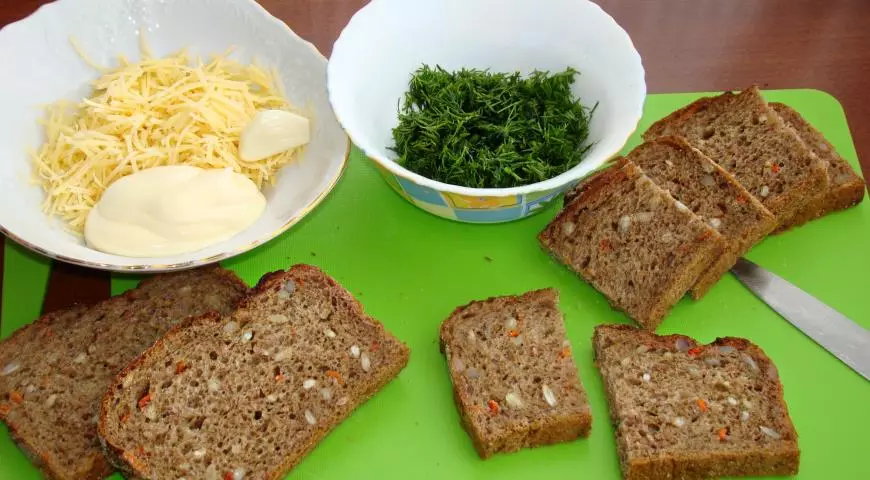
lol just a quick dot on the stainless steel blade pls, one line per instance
(844, 338)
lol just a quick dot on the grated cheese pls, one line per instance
(175, 110)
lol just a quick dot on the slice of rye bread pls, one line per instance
(845, 186)
(633, 242)
(687, 411)
(743, 135)
(250, 394)
(712, 194)
(56, 370)
(514, 379)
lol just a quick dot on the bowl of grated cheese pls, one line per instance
(143, 135)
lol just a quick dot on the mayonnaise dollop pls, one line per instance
(170, 210)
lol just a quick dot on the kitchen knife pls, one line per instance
(844, 338)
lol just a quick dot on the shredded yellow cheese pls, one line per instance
(169, 111)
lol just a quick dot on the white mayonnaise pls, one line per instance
(170, 210)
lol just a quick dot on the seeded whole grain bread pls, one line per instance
(632, 241)
(250, 394)
(744, 135)
(712, 194)
(54, 372)
(845, 186)
(687, 411)
(514, 379)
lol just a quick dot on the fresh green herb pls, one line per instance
(490, 130)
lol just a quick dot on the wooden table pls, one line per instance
(686, 45)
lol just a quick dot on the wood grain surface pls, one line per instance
(686, 45)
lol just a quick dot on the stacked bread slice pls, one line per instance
(232, 383)
(710, 193)
(733, 162)
(248, 395)
(54, 372)
(633, 241)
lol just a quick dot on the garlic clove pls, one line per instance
(271, 132)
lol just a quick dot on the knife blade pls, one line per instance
(839, 335)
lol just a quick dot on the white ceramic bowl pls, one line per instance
(40, 67)
(387, 40)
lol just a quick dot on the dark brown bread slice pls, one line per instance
(743, 135)
(633, 242)
(712, 194)
(845, 186)
(54, 372)
(250, 394)
(514, 379)
(687, 411)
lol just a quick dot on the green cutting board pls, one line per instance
(410, 269)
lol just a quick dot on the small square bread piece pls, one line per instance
(687, 411)
(633, 242)
(845, 186)
(514, 379)
(54, 372)
(250, 394)
(712, 194)
(749, 140)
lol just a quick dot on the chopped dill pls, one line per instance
(490, 130)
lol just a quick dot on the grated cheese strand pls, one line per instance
(175, 110)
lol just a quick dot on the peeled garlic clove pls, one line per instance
(271, 132)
